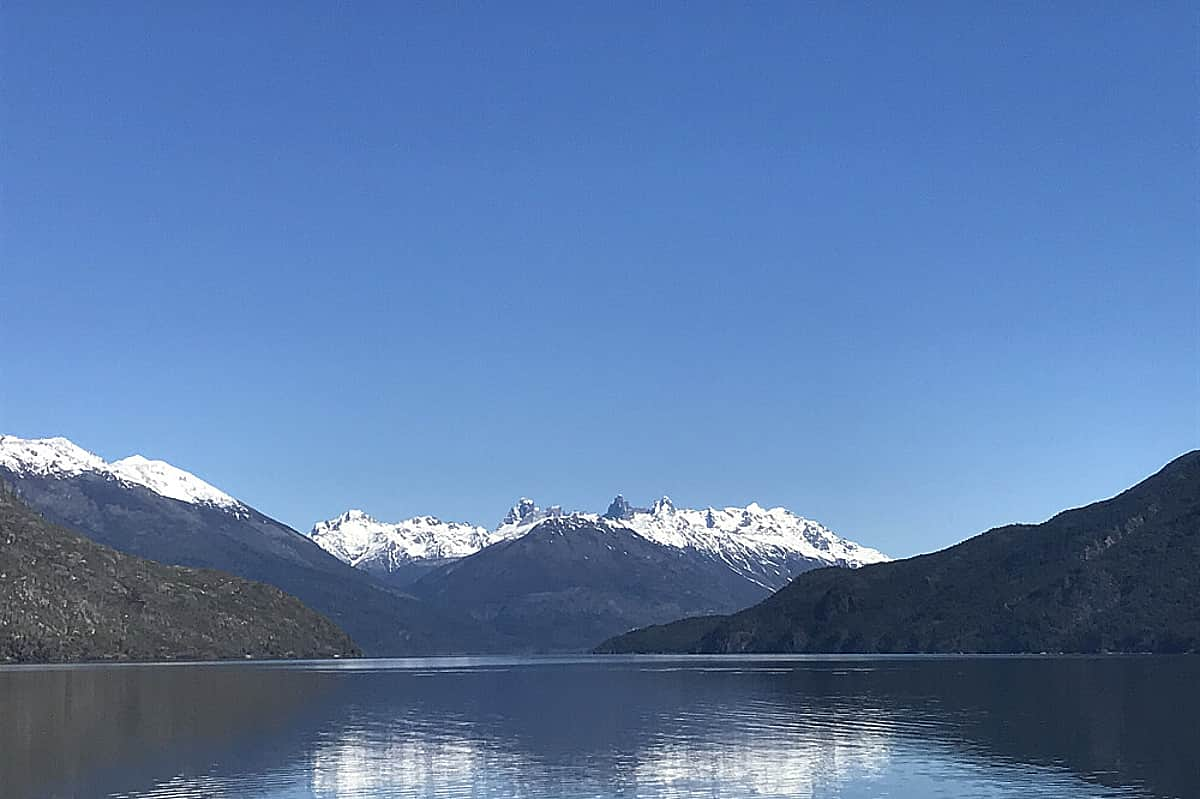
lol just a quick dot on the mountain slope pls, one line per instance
(1122, 574)
(194, 524)
(572, 581)
(64, 598)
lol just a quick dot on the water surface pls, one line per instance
(559, 728)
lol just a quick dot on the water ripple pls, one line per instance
(572, 728)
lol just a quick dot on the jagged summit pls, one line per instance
(522, 517)
(361, 540)
(524, 509)
(766, 546)
(60, 457)
(619, 508)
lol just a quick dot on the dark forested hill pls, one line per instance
(1117, 575)
(63, 597)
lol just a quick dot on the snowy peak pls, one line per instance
(750, 533)
(58, 457)
(360, 540)
(167, 480)
(524, 510)
(47, 457)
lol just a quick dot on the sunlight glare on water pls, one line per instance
(561, 728)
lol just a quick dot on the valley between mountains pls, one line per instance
(541, 580)
(1117, 575)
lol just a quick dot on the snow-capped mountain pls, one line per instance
(542, 580)
(59, 457)
(557, 581)
(157, 511)
(766, 546)
(407, 549)
(47, 457)
(422, 541)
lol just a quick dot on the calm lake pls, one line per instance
(607, 727)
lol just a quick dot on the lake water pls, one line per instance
(607, 727)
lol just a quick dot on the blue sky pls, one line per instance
(912, 272)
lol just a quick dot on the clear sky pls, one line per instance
(912, 270)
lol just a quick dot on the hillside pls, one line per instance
(65, 598)
(1117, 575)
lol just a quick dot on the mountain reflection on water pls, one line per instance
(607, 727)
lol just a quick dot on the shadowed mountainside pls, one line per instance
(65, 598)
(1117, 575)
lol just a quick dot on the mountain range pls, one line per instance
(156, 511)
(547, 580)
(765, 547)
(543, 580)
(1118, 575)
